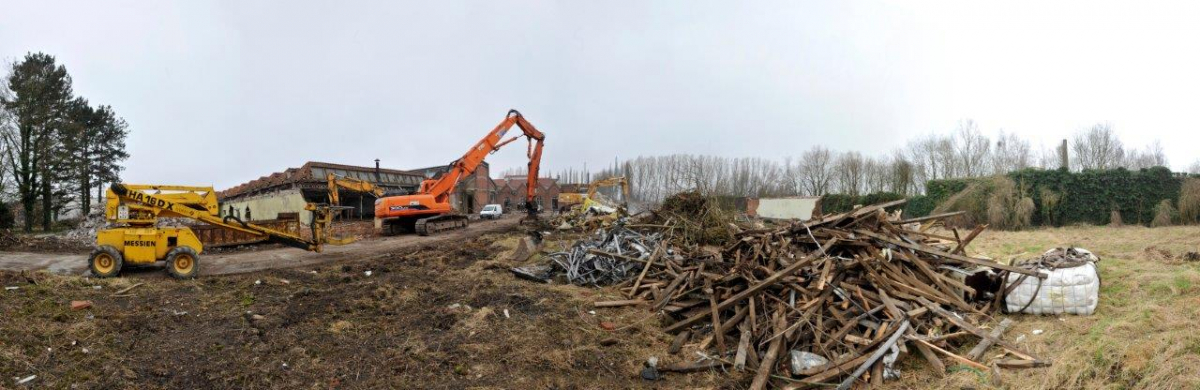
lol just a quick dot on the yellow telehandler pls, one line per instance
(136, 238)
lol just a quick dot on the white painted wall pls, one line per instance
(787, 208)
(268, 206)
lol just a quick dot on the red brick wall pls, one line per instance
(513, 192)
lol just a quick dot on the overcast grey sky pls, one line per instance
(224, 92)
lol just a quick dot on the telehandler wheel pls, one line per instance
(182, 263)
(105, 261)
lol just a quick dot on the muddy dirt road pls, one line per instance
(257, 260)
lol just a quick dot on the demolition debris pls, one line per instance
(608, 257)
(834, 300)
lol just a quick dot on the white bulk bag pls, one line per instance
(1074, 290)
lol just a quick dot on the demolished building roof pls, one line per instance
(314, 172)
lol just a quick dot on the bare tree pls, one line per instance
(1097, 148)
(1048, 158)
(971, 149)
(965, 153)
(1194, 168)
(923, 153)
(947, 159)
(901, 175)
(848, 171)
(1152, 156)
(876, 174)
(816, 167)
(1010, 154)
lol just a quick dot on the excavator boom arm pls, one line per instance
(351, 184)
(465, 165)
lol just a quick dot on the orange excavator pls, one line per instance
(428, 210)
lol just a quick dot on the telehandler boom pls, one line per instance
(137, 238)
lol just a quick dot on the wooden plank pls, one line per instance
(985, 343)
(1015, 363)
(929, 217)
(739, 359)
(967, 326)
(677, 344)
(770, 280)
(962, 244)
(960, 359)
(667, 293)
(960, 258)
(716, 317)
(879, 352)
(692, 367)
(933, 360)
(768, 360)
(650, 260)
(628, 302)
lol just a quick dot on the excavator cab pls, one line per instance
(429, 211)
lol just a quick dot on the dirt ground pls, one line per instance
(225, 261)
(444, 316)
(433, 316)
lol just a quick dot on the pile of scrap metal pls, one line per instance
(606, 257)
(837, 299)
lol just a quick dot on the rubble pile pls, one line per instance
(834, 300)
(46, 242)
(85, 231)
(695, 219)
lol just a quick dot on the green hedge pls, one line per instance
(838, 203)
(919, 206)
(1086, 197)
(939, 190)
(1090, 196)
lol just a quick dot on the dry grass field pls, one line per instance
(1144, 334)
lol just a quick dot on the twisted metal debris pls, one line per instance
(607, 257)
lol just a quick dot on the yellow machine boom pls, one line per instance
(352, 184)
(138, 240)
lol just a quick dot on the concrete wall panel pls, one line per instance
(785, 208)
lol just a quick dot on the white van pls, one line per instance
(491, 211)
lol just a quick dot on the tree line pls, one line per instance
(55, 147)
(965, 152)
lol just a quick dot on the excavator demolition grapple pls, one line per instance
(429, 211)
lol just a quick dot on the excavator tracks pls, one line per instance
(432, 225)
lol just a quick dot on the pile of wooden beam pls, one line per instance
(855, 289)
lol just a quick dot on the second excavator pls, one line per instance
(429, 211)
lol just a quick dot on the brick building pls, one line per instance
(510, 192)
(290, 190)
